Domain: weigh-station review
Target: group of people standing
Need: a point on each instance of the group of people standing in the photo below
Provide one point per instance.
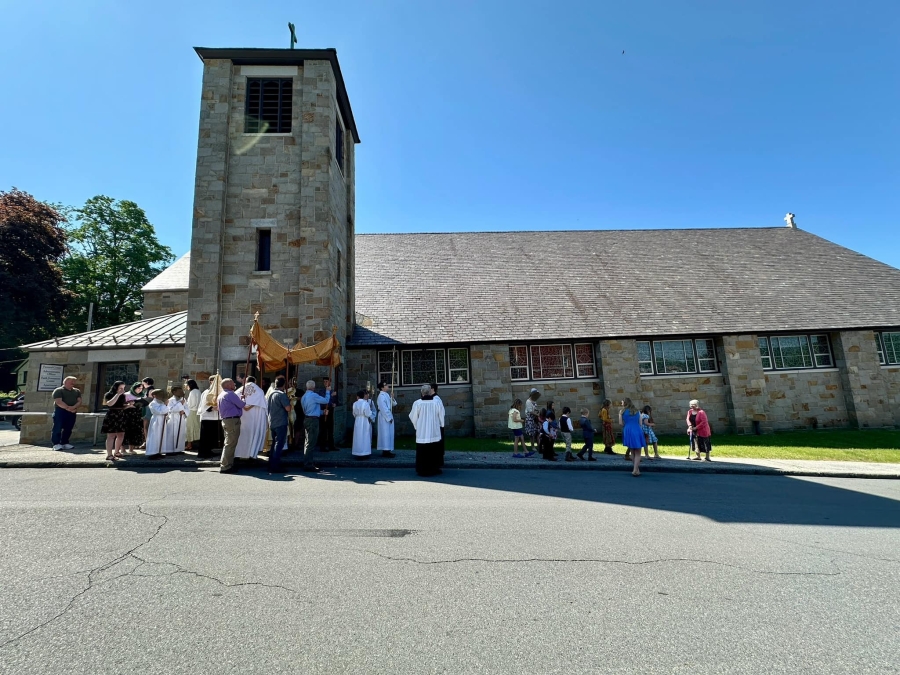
(542, 429)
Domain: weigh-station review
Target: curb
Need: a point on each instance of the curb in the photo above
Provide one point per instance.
(187, 464)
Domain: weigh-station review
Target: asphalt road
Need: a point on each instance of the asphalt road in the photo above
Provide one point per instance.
(373, 571)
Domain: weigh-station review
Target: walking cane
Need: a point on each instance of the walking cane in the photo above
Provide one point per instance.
(690, 443)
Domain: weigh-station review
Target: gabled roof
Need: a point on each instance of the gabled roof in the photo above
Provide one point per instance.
(166, 330)
(500, 286)
(176, 277)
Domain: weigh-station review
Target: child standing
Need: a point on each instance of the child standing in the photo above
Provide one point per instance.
(159, 410)
(515, 425)
(566, 429)
(647, 426)
(588, 432)
(609, 438)
(549, 428)
(176, 422)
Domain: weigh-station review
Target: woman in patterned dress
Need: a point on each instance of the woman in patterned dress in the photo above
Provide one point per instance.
(532, 424)
(114, 422)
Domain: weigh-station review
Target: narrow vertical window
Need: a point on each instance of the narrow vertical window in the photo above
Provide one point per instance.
(263, 250)
(339, 144)
(340, 268)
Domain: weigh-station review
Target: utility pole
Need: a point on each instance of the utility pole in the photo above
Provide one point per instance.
(90, 316)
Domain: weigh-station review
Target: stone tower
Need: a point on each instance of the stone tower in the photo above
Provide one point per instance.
(273, 226)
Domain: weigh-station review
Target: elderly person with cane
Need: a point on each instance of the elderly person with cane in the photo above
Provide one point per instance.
(698, 429)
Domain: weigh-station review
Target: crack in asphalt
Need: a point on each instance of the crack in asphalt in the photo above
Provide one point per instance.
(606, 561)
(93, 583)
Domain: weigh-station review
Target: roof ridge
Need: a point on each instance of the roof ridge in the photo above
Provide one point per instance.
(617, 229)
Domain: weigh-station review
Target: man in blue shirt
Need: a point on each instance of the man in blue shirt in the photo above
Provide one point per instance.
(312, 409)
(231, 407)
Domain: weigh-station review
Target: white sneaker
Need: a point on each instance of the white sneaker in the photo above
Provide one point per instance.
(57, 447)
(68, 447)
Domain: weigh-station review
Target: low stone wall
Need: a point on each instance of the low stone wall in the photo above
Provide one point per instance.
(163, 364)
(669, 396)
(804, 399)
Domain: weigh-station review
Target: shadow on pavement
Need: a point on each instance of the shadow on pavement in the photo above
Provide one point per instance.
(722, 498)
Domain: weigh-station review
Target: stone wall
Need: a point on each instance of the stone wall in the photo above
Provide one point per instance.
(891, 377)
(670, 396)
(865, 394)
(745, 392)
(163, 364)
(491, 388)
(37, 429)
(160, 303)
(802, 399)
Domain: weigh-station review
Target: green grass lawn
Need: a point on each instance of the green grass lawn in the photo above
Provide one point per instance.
(838, 445)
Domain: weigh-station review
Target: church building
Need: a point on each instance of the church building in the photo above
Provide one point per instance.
(771, 328)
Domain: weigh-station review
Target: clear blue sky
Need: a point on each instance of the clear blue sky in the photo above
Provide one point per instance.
(485, 115)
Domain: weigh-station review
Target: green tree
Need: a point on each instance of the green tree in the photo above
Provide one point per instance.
(113, 252)
(32, 293)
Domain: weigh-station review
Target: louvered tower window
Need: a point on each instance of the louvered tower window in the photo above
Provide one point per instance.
(268, 106)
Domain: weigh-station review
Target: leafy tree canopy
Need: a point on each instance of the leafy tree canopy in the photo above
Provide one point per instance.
(32, 294)
(113, 252)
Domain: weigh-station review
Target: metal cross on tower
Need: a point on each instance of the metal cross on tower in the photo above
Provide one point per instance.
(293, 34)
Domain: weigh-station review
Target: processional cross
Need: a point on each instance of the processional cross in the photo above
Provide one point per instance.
(293, 34)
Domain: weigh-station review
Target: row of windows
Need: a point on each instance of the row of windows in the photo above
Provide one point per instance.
(269, 110)
(655, 357)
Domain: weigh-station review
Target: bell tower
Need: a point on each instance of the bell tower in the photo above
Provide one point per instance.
(274, 195)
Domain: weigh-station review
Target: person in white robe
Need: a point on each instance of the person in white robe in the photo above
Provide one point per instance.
(385, 404)
(254, 422)
(427, 417)
(176, 422)
(159, 411)
(192, 424)
(362, 426)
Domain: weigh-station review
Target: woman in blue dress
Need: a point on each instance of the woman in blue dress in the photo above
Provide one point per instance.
(632, 433)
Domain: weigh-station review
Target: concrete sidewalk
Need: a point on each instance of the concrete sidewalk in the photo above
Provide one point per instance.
(17, 456)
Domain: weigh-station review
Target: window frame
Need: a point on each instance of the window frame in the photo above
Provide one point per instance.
(650, 368)
(340, 139)
(885, 357)
(580, 364)
(775, 351)
(566, 345)
(527, 365)
(284, 122)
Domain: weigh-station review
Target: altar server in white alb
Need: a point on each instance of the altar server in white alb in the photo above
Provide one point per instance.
(254, 422)
(362, 426)
(385, 404)
(176, 422)
(427, 417)
(156, 429)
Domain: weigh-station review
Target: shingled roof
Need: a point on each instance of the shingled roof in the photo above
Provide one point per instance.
(176, 277)
(499, 286)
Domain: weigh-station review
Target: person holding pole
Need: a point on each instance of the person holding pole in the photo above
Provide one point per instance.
(385, 404)
(312, 403)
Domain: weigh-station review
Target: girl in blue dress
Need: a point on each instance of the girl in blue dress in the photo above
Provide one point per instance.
(632, 433)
